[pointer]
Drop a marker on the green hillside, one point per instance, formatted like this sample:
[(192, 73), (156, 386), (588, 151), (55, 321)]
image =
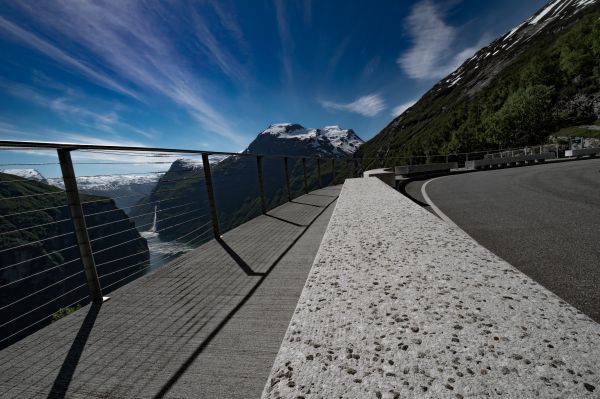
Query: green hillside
[(553, 84)]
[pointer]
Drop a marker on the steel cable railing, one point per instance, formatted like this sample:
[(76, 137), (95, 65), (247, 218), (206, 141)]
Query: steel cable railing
[(45, 225)]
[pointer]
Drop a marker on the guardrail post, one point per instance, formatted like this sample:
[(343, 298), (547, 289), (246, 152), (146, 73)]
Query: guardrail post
[(211, 195), (261, 183), (287, 178), (78, 218), (305, 179), (332, 170), (319, 172)]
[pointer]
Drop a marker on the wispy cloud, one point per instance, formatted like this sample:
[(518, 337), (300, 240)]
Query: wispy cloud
[(215, 51), (397, 111), (307, 12), (70, 108), (434, 53), (287, 44), (126, 39), (370, 105), (57, 54)]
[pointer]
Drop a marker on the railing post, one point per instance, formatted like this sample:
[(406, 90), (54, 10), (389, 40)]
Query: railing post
[(287, 178), (261, 183), (78, 218), (305, 179), (211, 195), (332, 170), (319, 172)]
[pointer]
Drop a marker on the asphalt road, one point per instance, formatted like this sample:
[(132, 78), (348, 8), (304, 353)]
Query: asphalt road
[(543, 219)]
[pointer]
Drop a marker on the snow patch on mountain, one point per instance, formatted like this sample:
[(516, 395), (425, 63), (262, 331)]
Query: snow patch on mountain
[(113, 182), (478, 70), (343, 141), (190, 165), (543, 13), (30, 174)]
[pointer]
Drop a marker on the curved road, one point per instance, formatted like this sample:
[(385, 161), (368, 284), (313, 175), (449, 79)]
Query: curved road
[(543, 219)]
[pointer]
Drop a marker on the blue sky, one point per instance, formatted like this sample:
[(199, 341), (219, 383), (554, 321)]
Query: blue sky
[(211, 75)]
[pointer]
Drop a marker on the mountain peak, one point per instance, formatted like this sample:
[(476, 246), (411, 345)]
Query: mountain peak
[(295, 139), (30, 174)]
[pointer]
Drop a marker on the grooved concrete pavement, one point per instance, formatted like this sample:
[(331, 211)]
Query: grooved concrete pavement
[(208, 325), (399, 304)]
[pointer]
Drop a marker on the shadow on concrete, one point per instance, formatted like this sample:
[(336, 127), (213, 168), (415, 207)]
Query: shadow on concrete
[(65, 375), (304, 203), (194, 355), (238, 259), (285, 220)]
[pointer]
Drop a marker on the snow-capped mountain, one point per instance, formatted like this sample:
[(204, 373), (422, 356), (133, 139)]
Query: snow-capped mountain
[(114, 182), (187, 164), (294, 139), (479, 70), (31, 174)]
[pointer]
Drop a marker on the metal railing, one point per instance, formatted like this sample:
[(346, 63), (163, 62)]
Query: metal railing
[(62, 244)]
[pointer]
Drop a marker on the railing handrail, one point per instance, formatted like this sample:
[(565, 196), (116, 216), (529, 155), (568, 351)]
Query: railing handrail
[(76, 146)]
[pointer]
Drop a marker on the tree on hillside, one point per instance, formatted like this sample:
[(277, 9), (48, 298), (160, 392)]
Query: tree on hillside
[(525, 118)]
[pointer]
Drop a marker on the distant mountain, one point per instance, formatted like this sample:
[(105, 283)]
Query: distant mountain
[(294, 139), (37, 240), (180, 195), (542, 76), (30, 174), (124, 189)]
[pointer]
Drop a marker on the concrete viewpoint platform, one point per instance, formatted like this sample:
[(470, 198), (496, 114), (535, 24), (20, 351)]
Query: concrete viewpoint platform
[(399, 304), (207, 325)]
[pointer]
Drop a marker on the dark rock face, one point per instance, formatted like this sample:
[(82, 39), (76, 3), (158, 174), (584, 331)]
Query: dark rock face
[(49, 253)]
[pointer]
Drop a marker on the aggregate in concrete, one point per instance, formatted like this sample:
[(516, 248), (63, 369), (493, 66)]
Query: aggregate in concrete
[(200, 327), (399, 304)]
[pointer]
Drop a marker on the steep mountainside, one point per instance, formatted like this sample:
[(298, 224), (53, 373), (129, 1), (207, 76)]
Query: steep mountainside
[(37, 240), (542, 76), (180, 195)]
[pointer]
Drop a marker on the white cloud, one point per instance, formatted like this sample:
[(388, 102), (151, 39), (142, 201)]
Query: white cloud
[(397, 111), (370, 105), (433, 54), (130, 43)]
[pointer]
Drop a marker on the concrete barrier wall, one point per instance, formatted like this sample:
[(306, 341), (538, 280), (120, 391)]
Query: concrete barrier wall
[(508, 161), (386, 175), (408, 170), (399, 304), (582, 152)]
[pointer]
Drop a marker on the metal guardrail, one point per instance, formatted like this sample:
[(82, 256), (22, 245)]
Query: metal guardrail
[(97, 234)]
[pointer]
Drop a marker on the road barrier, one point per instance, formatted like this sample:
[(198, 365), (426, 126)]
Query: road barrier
[(508, 161), (582, 152)]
